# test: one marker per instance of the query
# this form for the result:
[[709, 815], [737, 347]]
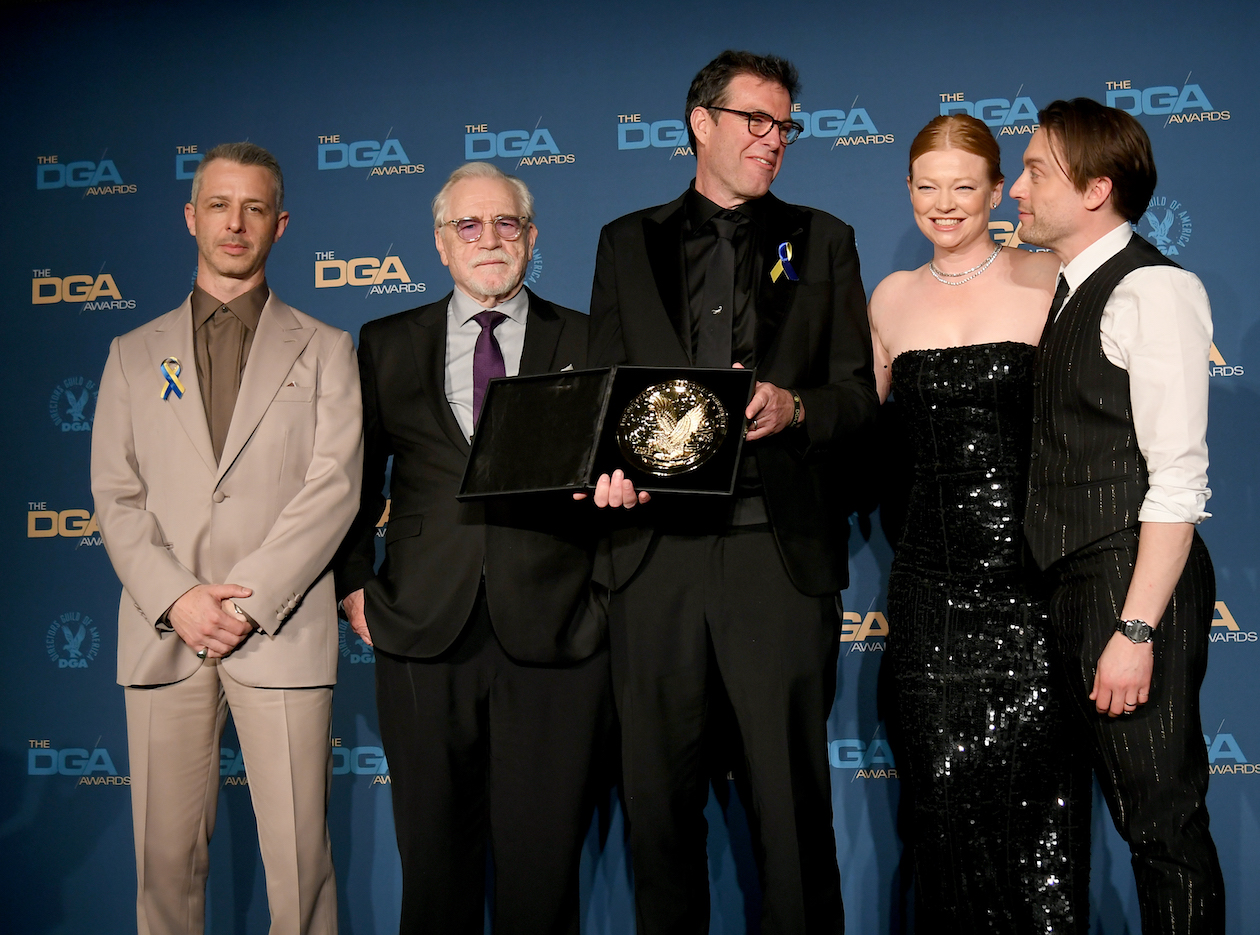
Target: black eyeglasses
[[760, 124], [506, 227]]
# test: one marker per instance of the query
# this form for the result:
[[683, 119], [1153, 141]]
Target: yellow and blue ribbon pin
[[783, 267], [170, 368]]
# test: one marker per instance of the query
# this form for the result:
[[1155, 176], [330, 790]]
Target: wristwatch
[[1138, 631]]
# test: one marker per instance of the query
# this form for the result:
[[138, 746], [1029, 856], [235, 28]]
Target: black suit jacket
[[536, 552], [812, 336]]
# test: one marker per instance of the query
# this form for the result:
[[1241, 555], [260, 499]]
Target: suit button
[[1036, 419], [219, 496], [1035, 455]]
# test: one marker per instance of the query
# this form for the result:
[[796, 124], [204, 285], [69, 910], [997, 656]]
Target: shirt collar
[[464, 307], [248, 307], [700, 210], [1096, 254]]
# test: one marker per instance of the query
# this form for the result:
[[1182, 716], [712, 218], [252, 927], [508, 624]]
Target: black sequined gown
[[991, 800]]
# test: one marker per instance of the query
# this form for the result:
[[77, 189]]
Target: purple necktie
[[487, 358]]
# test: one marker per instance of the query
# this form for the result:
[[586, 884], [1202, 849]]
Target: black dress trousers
[[482, 747], [1152, 764], [717, 614]]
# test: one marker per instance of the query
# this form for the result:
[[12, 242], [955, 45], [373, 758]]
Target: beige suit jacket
[[268, 516]]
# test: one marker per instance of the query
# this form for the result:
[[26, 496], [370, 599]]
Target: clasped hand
[[204, 617]]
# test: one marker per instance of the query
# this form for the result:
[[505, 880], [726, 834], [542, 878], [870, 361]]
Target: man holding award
[[492, 679], [732, 601]]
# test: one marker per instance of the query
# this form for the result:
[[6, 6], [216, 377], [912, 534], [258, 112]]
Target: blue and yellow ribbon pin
[[170, 370], [783, 267]]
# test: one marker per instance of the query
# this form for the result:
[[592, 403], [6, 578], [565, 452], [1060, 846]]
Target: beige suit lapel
[[279, 342], [172, 336]]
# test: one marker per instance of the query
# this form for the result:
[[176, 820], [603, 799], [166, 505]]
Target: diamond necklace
[[956, 279]]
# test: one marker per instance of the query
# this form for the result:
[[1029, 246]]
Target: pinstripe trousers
[[1152, 765]]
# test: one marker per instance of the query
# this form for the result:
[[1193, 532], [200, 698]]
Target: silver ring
[[201, 653], [754, 425]]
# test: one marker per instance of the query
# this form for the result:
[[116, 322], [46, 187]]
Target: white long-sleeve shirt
[[1157, 325]]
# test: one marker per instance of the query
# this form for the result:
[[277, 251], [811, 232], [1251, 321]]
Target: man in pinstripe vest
[[1117, 484]]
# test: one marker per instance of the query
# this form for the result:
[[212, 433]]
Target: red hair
[[959, 131]]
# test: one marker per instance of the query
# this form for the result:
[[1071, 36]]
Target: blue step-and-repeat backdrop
[[108, 108]]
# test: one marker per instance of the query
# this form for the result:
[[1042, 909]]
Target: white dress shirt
[[461, 343], [1157, 325]]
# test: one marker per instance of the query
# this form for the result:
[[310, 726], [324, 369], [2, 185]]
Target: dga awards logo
[[1015, 116], [378, 158], [851, 127], [43, 523], [72, 641], [72, 405], [1225, 628], [96, 178], [1187, 104], [1166, 224], [1217, 367], [1225, 755], [866, 633], [97, 292], [382, 276], [353, 646], [43, 759], [633, 132], [187, 158], [872, 760], [536, 147], [360, 761]]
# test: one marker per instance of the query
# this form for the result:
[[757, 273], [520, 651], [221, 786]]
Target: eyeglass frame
[[780, 125], [525, 220]]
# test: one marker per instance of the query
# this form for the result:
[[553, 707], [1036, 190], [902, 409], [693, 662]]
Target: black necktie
[[718, 314], [1060, 296]]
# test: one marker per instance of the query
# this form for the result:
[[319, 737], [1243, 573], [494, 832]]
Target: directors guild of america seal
[[672, 427]]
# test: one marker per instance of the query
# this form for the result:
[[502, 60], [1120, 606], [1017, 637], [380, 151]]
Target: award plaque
[[668, 429], [672, 427]]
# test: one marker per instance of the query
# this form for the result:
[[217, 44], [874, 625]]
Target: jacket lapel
[[428, 342], [783, 224], [542, 335], [173, 337], [279, 342], [662, 235]]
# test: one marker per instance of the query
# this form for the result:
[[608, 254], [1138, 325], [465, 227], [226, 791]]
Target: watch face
[[1139, 631]]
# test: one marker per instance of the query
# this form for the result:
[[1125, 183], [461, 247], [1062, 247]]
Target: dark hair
[[708, 87], [1102, 142], [245, 154], [959, 131]]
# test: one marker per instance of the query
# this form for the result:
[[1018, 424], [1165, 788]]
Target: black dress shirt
[[699, 240]]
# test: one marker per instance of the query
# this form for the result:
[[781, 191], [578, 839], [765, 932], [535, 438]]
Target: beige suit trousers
[[173, 736]]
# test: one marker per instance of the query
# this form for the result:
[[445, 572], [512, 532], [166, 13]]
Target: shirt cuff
[[1174, 506]]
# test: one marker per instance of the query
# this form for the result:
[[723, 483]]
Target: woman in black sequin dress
[[994, 807]]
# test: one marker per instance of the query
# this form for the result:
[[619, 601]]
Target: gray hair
[[480, 170], [245, 154]]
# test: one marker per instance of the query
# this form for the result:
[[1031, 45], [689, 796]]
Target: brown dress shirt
[[222, 336]]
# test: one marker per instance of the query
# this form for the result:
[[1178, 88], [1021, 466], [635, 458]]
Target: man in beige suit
[[226, 464]]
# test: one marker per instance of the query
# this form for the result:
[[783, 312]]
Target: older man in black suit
[[735, 602], [491, 667]]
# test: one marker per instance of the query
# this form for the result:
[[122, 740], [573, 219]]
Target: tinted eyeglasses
[[506, 227], [760, 124]]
